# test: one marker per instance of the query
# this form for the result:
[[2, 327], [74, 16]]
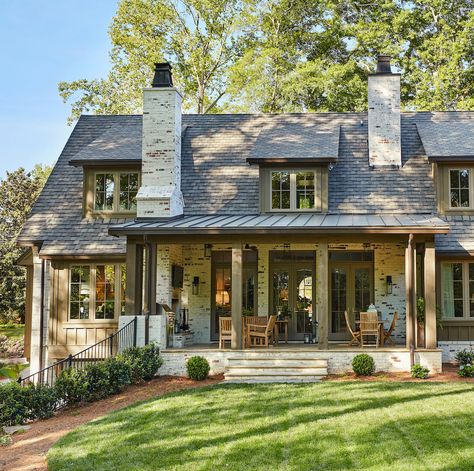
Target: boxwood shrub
[[419, 372], [144, 362], [363, 365], [198, 368]]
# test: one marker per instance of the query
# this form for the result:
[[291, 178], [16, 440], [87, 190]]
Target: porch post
[[430, 295], [236, 301], [133, 287], [150, 279], [322, 287], [410, 296]]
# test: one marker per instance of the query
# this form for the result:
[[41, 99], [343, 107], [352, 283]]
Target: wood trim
[[322, 294], [430, 295], [443, 188], [236, 295]]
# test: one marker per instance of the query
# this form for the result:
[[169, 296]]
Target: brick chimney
[[384, 116], [160, 192]]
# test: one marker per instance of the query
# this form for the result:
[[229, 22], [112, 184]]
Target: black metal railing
[[109, 347]]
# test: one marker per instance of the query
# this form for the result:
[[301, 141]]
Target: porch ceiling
[[288, 223]]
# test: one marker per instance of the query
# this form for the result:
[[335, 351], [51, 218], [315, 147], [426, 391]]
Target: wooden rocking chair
[[387, 335], [225, 330], [355, 333], [261, 335]]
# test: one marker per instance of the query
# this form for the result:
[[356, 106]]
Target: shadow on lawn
[[190, 427]]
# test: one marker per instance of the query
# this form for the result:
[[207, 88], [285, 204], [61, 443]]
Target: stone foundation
[[450, 348]]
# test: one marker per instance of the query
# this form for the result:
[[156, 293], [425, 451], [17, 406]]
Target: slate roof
[[302, 138], [217, 180], [447, 139], [293, 223]]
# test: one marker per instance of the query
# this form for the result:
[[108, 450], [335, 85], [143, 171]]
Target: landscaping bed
[[327, 425]]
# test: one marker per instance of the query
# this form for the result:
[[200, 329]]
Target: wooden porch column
[[410, 296], [430, 295], [236, 341], [133, 288], [149, 306], [322, 287]]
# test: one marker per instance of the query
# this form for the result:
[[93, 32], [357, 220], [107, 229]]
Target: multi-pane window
[[93, 291], [459, 188], [294, 190], [116, 191], [280, 190], [80, 292], [458, 290]]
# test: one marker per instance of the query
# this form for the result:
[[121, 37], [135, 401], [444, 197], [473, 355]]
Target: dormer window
[[295, 190], [460, 188], [115, 192]]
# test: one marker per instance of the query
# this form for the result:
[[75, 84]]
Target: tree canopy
[[284, 55], [18, 192]]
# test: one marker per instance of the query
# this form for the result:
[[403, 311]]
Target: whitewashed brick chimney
[[160, 193], [384, 116]]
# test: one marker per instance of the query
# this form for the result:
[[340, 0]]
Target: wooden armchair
[[387, 334], [355, 333], [225, 330], [369, 327], [258, 320], [261, 335]]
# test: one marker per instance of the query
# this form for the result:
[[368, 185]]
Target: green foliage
[[14, 404], [18, 192], [118, 375], [72, 386], [12, 371], [363, 365], [5, 440], [97, 381], [42, 400], [420, 372], [465, 357], [198, 368], [466, 371], [144, 362]]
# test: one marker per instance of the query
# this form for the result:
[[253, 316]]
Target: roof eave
[[104, 162], [291, 160], [450, 158]]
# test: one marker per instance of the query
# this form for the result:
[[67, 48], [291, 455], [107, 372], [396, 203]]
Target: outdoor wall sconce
[[388, 284], [286, 248], [207, 250], [196, 285]]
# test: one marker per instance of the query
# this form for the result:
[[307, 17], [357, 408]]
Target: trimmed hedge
[[18, 404], [466, 363], [419, 372], [198, 368], [363, 365]]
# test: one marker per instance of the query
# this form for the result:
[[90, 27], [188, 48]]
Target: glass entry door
[[351, 289], [292, 285]]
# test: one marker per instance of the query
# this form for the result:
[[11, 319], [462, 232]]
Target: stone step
[[275, 371], [287, 362], [279, 354], [273, 379]]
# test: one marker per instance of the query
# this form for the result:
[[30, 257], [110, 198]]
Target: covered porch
[[200, 269]]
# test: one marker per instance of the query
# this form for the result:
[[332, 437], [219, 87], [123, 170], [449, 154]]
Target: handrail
[[107, 348]]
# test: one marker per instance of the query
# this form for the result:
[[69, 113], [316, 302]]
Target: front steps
[[268, 366]]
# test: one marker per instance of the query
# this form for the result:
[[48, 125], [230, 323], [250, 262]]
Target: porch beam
[[236, 301], [430, 295], [322, 288], [410, 296]]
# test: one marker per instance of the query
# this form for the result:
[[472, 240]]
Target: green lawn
[[353, 425], [15, 331]]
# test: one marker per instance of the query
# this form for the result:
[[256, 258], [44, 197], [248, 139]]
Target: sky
[[43, 42]]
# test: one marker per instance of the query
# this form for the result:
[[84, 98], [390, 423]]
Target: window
[[93, 291], [116, 191], [459, 188], [295, 190], [458, 290]]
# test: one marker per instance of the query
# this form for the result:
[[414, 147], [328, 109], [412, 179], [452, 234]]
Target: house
[[302, 215]]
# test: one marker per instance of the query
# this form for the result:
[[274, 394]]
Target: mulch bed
[[28, 450], [449, 374]]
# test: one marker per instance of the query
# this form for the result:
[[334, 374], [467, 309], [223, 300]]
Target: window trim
[[92, 299], [465, 291], [116, 199], [319, 186], [471, 189]]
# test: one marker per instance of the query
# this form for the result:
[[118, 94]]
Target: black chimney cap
[[163, 76], [383, 65]]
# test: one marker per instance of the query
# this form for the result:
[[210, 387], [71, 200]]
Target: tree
[[200, 37], [18, 192]]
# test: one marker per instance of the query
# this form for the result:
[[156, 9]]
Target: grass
[[14, 331], [331, 426]]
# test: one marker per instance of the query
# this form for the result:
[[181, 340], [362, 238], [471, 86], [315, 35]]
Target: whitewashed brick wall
[[450, 348]]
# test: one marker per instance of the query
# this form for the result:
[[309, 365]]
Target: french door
[[351, 289], [292, 289]]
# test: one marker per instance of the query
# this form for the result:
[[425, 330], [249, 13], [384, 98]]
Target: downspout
[[41, 315]]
